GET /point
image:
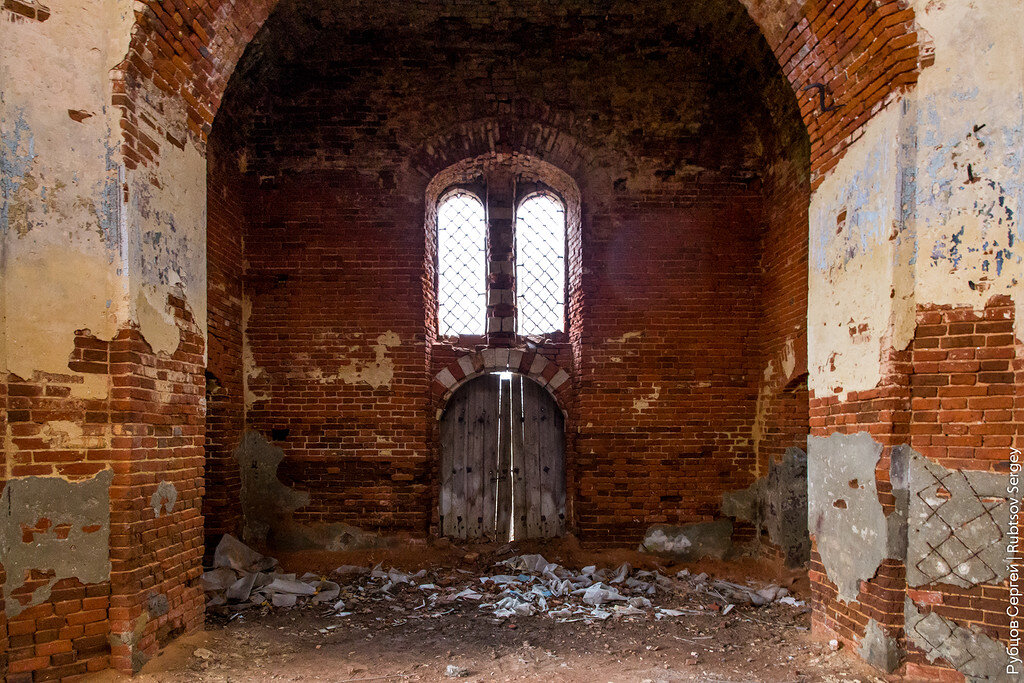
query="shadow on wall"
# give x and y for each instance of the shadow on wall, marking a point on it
(268, 506)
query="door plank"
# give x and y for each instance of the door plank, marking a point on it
(489, 470)
(503, 502)
(520, 469)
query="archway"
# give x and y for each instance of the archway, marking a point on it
(502, 461)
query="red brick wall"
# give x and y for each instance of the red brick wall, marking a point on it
(225, 402)
(335, 263)
(963, 394)
(668, 356)
(158, 404)
(65, 634)
(783, 399)
(951, 395)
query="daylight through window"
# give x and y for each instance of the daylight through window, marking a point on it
(462, 275)
(540, 264)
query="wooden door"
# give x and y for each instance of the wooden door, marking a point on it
(502, 461)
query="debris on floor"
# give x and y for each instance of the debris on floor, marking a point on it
(521, 586)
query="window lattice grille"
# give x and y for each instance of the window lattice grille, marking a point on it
(462, 271)
(540, 264)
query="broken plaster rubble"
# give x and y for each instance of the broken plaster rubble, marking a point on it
(70, 523)
(690, 541)
(777, 503)
(524, 585)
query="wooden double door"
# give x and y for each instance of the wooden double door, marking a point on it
(502, 461)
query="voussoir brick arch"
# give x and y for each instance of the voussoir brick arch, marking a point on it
(843, 59)
(541, 370)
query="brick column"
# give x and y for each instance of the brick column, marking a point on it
(501, 273)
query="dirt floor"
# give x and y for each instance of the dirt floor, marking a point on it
(392, 640)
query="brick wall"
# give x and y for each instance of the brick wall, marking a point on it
(668, 357)
(963, 394)
(338, 334)
(225, 401)
(156, 547)
(952, 397)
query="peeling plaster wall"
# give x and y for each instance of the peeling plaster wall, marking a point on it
(166, 214)
(61, 235)
(970, 185)
(923, 208)
(860, 280)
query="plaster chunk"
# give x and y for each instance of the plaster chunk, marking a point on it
(845, 515)
(163, 499)
(879, 649)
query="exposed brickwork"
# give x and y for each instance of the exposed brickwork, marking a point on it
(225, 402)
(65, 636)
(151, 427)
(142, 419)
(667, 386)
(337, 333)
(951, 396)
(156, 558)
(963, 389)
(862, 51)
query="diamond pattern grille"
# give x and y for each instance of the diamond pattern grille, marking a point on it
(540, 264)
(462, 270)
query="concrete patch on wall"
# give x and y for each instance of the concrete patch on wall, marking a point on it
(958, 525)
(860, 286)
(969, 651)
(266, 502)
(163, 499)
(970, 185)
(844, 513)
(879, 649)
(57, 527)
(777, 504)
(156, 321)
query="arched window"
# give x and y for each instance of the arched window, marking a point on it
(540, 264)
(462, 271)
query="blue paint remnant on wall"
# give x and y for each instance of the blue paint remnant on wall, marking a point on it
(870, 199)
(110, 200)
(17, 150)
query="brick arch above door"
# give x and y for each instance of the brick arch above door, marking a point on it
(530, 364)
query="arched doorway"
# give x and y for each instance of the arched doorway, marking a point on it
(502, 461)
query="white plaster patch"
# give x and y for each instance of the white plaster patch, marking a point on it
(859, 304)
(647, 399)
(156, 321)
(970, 185)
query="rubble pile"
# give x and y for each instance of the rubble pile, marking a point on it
(524, 585)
